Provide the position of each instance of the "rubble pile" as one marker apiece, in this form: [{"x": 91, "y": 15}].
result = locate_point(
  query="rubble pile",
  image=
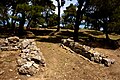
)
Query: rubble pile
[
  {"x": 9, "y": 44},
  {"x": 88, "y": 52},
  {"x": 30, "y": 58}
]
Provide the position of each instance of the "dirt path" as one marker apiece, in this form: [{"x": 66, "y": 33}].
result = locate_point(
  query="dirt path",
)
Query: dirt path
[{"x": 63, "y": 65}]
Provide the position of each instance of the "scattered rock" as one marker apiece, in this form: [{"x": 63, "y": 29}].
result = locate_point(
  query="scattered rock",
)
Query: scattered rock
[
  {"x": 28, "y": 75},
  {"x": 16, "y": 77},
  {"x": 10, "y": 70}
]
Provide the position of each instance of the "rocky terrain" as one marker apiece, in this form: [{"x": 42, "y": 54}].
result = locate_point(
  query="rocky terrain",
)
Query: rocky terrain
[
  {"x": 30, "y": 57},
  {"x": 61, "y": 64}
]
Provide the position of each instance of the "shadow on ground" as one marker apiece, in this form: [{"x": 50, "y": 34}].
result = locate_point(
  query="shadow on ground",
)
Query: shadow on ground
[{"x": 85, "y": 39}]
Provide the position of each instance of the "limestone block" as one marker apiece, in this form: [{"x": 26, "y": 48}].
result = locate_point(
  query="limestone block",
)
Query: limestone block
[{"x": 21, "y": 61}]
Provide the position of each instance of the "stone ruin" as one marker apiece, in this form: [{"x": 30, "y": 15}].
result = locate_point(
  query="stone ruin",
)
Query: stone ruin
[
  {"x": 87, "y": 52},
  {"x": 30, "y": 57},
  {"x": 9, "y": 44}
]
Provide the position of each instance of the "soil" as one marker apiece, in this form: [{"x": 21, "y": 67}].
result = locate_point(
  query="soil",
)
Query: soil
[{"x": 62, "y": 65}]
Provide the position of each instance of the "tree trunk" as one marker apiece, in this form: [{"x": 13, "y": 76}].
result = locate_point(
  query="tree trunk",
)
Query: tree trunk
[
  {"x": 8, "y": 24},
  {"x": 46, "y": 18},
  {"x": 3, "y": 23},
  {"x": 21, "y": 26},
  {"x": 58, "y": 29},
  {"x": 77, "y": 22},
  {"x": 12, "y": 22},
  {"x": 28, "y": 25},
  {"x": 106, "y": 31}
]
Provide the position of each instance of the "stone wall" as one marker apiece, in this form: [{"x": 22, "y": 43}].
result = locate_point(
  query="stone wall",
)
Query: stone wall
[
  {"x": 30, "y": 57},
  {"x": 9, "y": 44},
  {"x": 88, "y": 52}
]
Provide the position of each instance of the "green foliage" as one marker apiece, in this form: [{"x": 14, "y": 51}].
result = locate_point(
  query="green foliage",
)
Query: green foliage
[
  {"x": 104, "y": 12},
  {"x": 69, "y": 16},
  {"x": 69, "y": 26},
  {"x": 52, "y": 21}
]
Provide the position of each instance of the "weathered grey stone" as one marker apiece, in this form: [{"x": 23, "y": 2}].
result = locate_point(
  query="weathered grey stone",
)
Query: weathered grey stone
[
  {"x": 108, "y": 62},
  {"x": 87, "y": 48},
  {"x": 5, "y": 48},
  {"x": 24, "y": 43},
  {"x": 78, "y": 46},
  {"x": 92, "y": 51},
  {"x": 28, "y": 64},
  {"x": 23, "y": 70},
  {"x": 71, "y": 45},
  {"x": 29, "y": 69},
  {"x": 36, "y": 65},
  {"x": 70, "y": 40},
  {"x": 66, "y": 42},
  {"x": 13, "y": 39},
  {"x": 9, "y": 48},
  {"x": 42, "y": 61},
  {"x": 13, "y": 48},
  {"x": 97, "y": 57},
  {"x": 21, "y": 61},
  {"x": 25, "y": 50},
  {"x": 34, "y": 52},
  {"x": 36, "y": 58},
  {"x": 32, "y": 70},
  {"x": 4, "y": 42},
  {"x": 63, "y": 41}
]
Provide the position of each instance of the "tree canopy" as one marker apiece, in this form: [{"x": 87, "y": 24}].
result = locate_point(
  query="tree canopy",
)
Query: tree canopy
[{"x": 34, "y": 13}]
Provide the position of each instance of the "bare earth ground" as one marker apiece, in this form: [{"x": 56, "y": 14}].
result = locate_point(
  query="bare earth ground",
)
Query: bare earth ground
[{"x": 62, "y": 65}]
